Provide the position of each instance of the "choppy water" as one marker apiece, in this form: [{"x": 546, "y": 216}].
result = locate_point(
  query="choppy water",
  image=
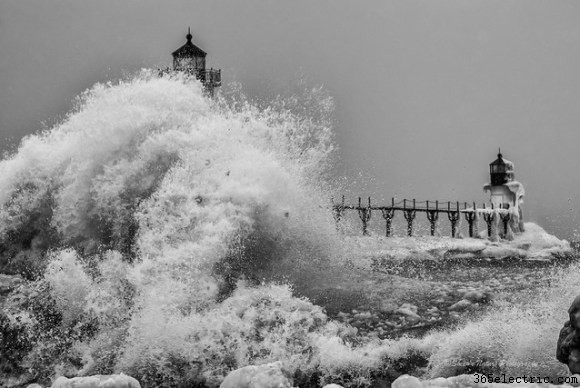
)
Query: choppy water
[{"x": 169, "y": 237}]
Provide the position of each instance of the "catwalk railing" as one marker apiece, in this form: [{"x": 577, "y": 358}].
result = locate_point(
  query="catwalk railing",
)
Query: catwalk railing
[{"x": 433, "y": 209}]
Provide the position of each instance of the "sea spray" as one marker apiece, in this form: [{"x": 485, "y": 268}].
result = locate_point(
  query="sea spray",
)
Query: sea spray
[{"x": 154, "y": 205}]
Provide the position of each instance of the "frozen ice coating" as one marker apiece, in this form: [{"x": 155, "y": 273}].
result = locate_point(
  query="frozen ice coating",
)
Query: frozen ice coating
[
  {"x": 114, "y": 381},
  {"x": 174, "y": 239},
  {"x": 263, "y": 376}
]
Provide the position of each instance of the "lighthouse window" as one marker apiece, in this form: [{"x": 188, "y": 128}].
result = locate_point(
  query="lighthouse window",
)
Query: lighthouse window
[
  {"x": 200, "y": 63},
  {"x": 184, "y": 62},
  {"x": 497, "y": 169}
]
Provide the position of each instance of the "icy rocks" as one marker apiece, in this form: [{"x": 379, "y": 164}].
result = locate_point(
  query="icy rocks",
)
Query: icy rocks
[
  {"x": 476, "y": 296},
  {"x": 9, "y": 282},
  {"x": 463, "y": 304},
  {"x": 410, "y": 312},
  {"x": 470, "y": 298},
  {"x": 406, "y": 381},
  {"x": 567, "y": 350},
  {"x": 332, "y": 386},
  {"x": 260, "y": 376},
  {"x": 387, "y": 306},
  {"x": 97, "y": 381}
]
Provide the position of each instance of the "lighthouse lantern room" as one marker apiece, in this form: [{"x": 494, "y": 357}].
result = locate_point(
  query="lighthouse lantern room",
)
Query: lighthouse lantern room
[
  {"x": 505, "y": 191},
  {"x": 191, "y": 59},
  {"x": 501, "y": 171}
]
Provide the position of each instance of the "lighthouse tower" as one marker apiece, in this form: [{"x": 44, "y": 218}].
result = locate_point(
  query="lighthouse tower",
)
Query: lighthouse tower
[
  {"x": 191, "y": 59},
  {"x": 505, "y": 191}
]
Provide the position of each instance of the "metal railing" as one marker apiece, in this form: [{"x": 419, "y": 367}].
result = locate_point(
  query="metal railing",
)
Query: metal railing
[
  {"x": 212, "y": 77},
  {"x": 409, "y": 208}
]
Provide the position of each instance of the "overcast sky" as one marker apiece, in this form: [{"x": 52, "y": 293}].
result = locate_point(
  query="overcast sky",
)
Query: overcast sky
[{"x": 426, "y": 90}]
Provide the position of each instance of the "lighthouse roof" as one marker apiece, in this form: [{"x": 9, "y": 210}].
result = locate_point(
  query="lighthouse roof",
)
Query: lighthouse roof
[
  {"x": 189, "y": 49},
  {"x": 500, "y": 161}
]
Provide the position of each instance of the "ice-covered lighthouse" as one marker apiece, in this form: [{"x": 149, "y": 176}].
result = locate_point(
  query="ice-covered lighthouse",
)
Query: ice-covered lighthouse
[
  {"x": 506, "y": 192},
  {"x": 191, "y": 59}
]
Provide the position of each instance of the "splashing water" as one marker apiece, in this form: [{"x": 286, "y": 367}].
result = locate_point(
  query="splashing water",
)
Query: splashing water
[
  {"x": 160, "y": 231},
  {"x": 144, "y": 214}
]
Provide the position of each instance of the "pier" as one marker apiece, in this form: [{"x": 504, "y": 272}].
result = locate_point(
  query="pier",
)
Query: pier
[{"x": 433, "y": 209}]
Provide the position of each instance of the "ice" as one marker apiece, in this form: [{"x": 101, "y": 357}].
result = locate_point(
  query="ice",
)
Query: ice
[
  {"x": 112, "y": 381},
  {"x": 533, "y": 243}
]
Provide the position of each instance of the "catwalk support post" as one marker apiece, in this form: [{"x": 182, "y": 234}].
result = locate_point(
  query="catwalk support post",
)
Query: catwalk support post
[
  {"x": 433, "y": 216},
  {"x": 470, "y": 217},
  {"x": 388, "y": 214},
  {"x": 409, "y": 216},
  {"x": 337, "y": 212},
  {"x": 453, "y": 218},
  {"x": 365, "y": 215},
  {"x": 505, "y": 218},
  {"x": 488, "y": 218}
]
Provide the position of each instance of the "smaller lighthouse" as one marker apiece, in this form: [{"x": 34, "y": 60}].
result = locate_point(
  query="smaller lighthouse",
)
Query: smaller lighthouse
[
  {"x": 505, "y": 191},
  {"x": 191, "y": 59}
]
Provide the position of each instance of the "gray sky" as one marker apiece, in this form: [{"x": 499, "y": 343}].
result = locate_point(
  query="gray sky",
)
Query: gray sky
[{"x": 426, "y": 90}]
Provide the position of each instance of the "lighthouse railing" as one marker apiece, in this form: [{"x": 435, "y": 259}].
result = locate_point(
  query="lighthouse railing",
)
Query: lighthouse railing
[{"x": 210, "y": 76}]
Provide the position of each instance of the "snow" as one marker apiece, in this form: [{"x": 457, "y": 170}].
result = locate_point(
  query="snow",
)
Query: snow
[
  {"x": 514, "y": 186},
  {"x": 260, "y": 376},
  {"x": 533, "y": 244},
  {"x": 98, "y": 381}
]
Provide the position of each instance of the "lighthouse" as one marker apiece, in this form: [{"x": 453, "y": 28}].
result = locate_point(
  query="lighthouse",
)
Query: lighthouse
[
  {"x": 191, "y": 59},
  {"x": 506, "y": 192}
]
